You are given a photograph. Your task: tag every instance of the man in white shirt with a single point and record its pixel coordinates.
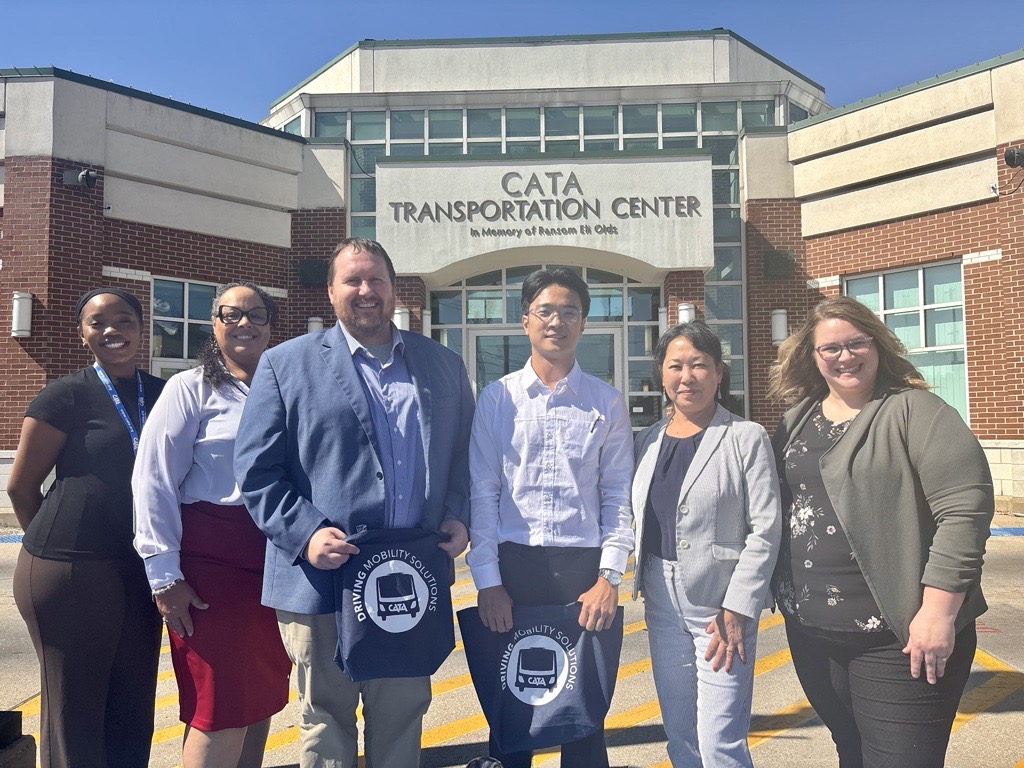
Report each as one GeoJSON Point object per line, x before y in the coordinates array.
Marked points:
{"type": "Point", "coordinates": [551, 464]}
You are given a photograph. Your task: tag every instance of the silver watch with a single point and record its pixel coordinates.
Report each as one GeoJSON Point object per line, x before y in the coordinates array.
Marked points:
{"type": "Point", "coordinates": [614, 577]}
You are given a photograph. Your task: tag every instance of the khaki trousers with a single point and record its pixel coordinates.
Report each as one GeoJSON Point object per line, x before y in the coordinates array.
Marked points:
{"type": "Point", "coordinates": [393, 709]}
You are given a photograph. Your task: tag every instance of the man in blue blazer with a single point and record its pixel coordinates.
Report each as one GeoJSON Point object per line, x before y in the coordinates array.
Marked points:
{"type": "Point", "coordinates": [357, 426]}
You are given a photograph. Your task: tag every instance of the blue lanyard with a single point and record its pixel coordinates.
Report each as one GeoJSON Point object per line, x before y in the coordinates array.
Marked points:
{"type": "Point", "coordinates": [120, 406]}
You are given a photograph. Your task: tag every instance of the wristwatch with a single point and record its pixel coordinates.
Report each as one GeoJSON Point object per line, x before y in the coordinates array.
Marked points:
{"type": "Point", "coordinates": [614, 577]}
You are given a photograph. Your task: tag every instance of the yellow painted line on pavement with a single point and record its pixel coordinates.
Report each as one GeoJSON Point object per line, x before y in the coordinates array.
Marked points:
{"type": "Point", "coordinates": [1005, 682]}
{"type": "Point", "coordinates": [764, 727]}
{"type": "Point", "coordinates": [772, 661]}
{"type": "Point", "coordinates": [772, 620]}
{"type": "Point", "coordinates": [453, 730]}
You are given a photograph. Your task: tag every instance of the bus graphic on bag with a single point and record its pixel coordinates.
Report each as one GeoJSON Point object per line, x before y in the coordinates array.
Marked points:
{"type": "Point", "coordinates": [396, 596]}
{"type": "Point", "coordinates": [536, 668]}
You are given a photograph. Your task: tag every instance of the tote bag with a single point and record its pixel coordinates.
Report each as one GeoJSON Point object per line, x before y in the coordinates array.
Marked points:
{"type": "Point", "coordinates": [393, 605]}
{"type": "Point", "coordinates": [546, 682]}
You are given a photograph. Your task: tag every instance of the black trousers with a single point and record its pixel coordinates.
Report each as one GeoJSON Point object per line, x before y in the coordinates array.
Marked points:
{"type": "Point", "coordinates": [861, 688]}
{"type": "Point", "coordinates": [551, 576]}
{"type": "Point", "coordinates": [97, 635]}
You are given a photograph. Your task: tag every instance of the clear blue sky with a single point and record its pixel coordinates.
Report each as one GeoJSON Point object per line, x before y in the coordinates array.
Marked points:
{"type": "Point", "coordinates": [237, 56]}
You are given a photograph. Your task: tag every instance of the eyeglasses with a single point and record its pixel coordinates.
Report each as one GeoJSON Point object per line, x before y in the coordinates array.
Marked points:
{"type": "Point", "coordinates": [233, 315]}
{"type": "Point", "coordinates": [567, 315]}
{"type": "Point", "coordinates": [855, 347]}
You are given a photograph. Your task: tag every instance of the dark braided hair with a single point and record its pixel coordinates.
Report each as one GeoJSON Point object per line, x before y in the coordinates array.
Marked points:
{"type": "Point", "coordinates": [210, 358]}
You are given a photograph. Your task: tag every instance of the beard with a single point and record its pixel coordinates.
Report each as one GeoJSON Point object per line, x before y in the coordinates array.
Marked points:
{"type": "Point", "coordinates": [364, 324]}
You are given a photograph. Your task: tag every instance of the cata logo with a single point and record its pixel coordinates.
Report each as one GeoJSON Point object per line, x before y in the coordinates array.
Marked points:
{"type": "Point", "coordinates": [538, 664]}
{"type": "Point", "coordinates": [394, 589]}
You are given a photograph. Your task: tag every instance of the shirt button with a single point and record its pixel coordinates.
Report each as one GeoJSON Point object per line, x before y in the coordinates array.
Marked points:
{"type": "Point", "coordinates": [395, 430]}
{"type": "Point", "coordinates": [380, 475]}
{"type": "Point", "coordinates": [684, 544]}
{"type": "Point", "coordinates": [399, 462]}
{"type": "Point", "coordinates": [683, 509]}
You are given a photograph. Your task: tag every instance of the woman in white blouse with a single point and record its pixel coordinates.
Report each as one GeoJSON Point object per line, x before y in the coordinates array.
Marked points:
{"type": "Point", "coordinates": [203, 553]}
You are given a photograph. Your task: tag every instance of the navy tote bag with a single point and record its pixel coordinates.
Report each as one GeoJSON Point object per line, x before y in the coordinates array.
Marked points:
{"type": "Point", "coordinates": [393, 605]}
{"type": "Point", "coordinates": [546, 682]}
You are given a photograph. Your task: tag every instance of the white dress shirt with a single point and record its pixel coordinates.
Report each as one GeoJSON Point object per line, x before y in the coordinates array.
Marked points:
{"type": "Point", "coordinates": [186, 454]}
{"type": "Point", "coordinates": [549, 468]}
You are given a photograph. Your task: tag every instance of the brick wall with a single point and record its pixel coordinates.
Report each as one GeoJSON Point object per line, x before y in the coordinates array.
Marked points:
{"type": "Point", "coordinates": [683, 286]}
{"type": "Point", "coordinates": [411, 292]}
{"type": "Point", "coordinates": [315, 233]}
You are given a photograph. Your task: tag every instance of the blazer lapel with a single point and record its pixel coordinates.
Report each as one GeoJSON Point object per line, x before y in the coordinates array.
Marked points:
{"type": "Point", "coordinates": [644, 475]}
{"type": "Point", "coordinates": [338, 358]}
{"type": "Point", "coordinates": [712, 437]}
{"type": "Point", "coordinates": [419, 372]}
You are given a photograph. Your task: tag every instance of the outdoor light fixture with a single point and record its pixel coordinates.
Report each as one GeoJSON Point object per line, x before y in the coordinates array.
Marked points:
{"type": "Point", "coordinates": [314, 324]}
{"type": "Point", "coordinates": [687, 312]}
{"type": "Point", "coordinates": [21, 314]}
{"type": "Point", "coordinates": [401, 318]}
{"type": "Point", "coordinates": [780, 326]}
{"type": "Point", "coordinates": [1014, 157]}
{"type": "Point", "coordinates": [84, 179]}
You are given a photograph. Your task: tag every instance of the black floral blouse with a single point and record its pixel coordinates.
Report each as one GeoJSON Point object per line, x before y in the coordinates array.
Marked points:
{"type": "Point", "coordinates": [820, 583]}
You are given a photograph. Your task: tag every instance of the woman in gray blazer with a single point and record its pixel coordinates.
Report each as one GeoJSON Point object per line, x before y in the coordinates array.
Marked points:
{"type": "Point", "coordinates": [887, 500]}
{"type": "Point", "coordinates": [708, 524]}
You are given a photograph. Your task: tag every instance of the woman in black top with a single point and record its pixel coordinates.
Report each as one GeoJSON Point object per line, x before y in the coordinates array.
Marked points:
{"type": "Point", "coordinates": [78, 584]}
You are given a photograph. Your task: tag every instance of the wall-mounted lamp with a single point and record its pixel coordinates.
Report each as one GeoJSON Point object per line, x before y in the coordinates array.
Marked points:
{"type": "Point", "coordinates": [314, 324]}
{"type": "Point", "coordinates": [687, 312]}
{"type": "Point", "coordinates": [1014, 157]}
{"type": "Point", "coordinates": [780, 326]}
{"type": "Point", "coordinates": [401, 318]}
{"type": "Point", "coordinates": [21, 314]}
{"type": "Point", "coordinates": [85, 179]}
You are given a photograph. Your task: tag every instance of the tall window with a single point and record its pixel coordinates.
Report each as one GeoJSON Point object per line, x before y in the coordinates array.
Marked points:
{"type": "Point", "coordinates": [924, 307]}
{"type": "Point", "coordinates": [181, 323]}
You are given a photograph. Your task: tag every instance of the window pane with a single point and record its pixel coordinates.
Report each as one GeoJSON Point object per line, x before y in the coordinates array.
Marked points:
{"type": "Point", "coordinates": [678, 118]}
{"type": "Point", "coordinates": [644, 410]}
{"type": "Point", "coordinates": [735, 403]}
{"type": "Point", "coordinates": [640, 145]}
{"type": "Point", "coordinates": [167, 339]}
{"type": "Point", "coordinates": [727, 225]}
{"type": "Point", "coordinates": [641, 340]}
{"type": "Point", "coordinates": [640, 118]}
{"type": "Point", "coordinates": [943, 327]}
{"type": "Point", "coordinates": [446, 123]}
{"type": "Point", "coordinates": [945, 371]}
{"type": "Point", "coordinates": [718, 116]}
{"type": "Point", "coordinates": [168, 298]}
{"type": "Point", "coordinates": [907, 327]}
{"type": "Point", "coordinates": [723, 150]}
{"type": "Point", "coordinates": [364, 157]}
{"type": "Point", "coordinates": [513, 305]}
{"type": "Point", "coordinates": [605, 305]}
{"type": "Point", "coordinates": [644, 304]}
{"type": "Point", "coordinates": [364, 226]}
{"type": "Point", "coordinates": [522, 121]}
{"type": "Point", "coordinates": [487, 278]}
{"type": "Point", "coordinates": [560, 121]}
{"type": "Point", "coordinates": [450, 337]}
{"type": "Point", "coordinates": [294, 126]}
{"type": "Point", "coordinates": [483, 123]}
{"type": "Point", "coordinates": [445, 149]}
{"type": "Point", "coordinates": [600, 276]}
{"type": "Point", "coordinates": [484, 148]}
{"type": "Point", "coordinates": [407, 124]}
{"type": "Point", "coordinates": [561, 148]}
{"type": "Point", "coordinates": [600, 145]}
{"type": "Point", "coordinates": [641, 376]}
{"type": "Point", "coordinates": [364, 195]}
{"type": "Point", "coordinates": [484, 307]}
{"type": "Point", "coordinates": [725, 187]}
{"type": "Point", "coordinates": [865, 290]}
{"type": "Point", "coordinates": [942, 284]}
{"type": "Point", "coordinates": [200, 301]}
{"type": "Point", "coordinates": [523, 147]}
{"type": "Point", "coordinates": [734, 372]}
{"type": "Point", "coordinates": [901, 290]}
{"type": "Point", "coordinates": [516, 275]}
{"type": "Point", "coordinates": [406, 150]}
{"type": "Point", "coordinates": [796, 113]}
{"type": "Point", "coordinates": [367, 126]}
{"type": "Point", "coordinates": [446, 307]}
{"type": "Point", "coordinates": [727, 265]}
{"type": "Point", "coordinates": [758, 113]}
{"type": "Point", "coordinates": [332, 124]}
{"type": "Point", "coordinates": [723, 302]}
{"type": "Point", "coordinates": [600, 120]}
{"type": "Point", "coordinates": [198, 333]}
{"type": "Point", "coordinates": [731, 336]}
{"type": "Point", "coordinates": [679, 142]}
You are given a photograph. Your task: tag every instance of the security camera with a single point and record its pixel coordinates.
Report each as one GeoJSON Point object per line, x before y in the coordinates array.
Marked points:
{"type": "Point", "coordinates": [1014, 157]}
{"type": "Point", "coordinates": [85, 179]}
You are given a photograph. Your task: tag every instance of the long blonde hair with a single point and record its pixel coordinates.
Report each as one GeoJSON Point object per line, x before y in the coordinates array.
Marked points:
{"type": "Point", "coordinates": [795, 375]}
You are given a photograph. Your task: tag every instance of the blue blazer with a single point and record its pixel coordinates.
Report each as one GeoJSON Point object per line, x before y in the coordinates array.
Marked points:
{"type": "Point", "coordinates": [306, 455]}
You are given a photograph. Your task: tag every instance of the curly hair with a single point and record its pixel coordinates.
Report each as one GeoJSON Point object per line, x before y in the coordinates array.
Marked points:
{"type": "Point", "coordinates": [210, 358]}
{"type": "Point", "coordinates": [795, 375]}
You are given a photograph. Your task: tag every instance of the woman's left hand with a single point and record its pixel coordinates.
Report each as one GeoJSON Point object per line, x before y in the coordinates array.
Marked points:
{"type": "Point", "coordinates": [932, 633]}
{"type": "Point", "coordinates": [726, 631]}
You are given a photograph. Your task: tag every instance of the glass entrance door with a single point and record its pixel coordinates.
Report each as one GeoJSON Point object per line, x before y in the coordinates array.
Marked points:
{"type": "Point", "coordinates": [492, 353]}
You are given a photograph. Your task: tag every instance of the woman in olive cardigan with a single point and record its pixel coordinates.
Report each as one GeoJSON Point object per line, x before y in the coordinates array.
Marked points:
{"type": "Point", "coordinates": [887, 501]}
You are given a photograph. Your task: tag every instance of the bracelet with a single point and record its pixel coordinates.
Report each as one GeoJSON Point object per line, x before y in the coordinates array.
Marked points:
{"type": "Point", "coordinates": [166, 588]}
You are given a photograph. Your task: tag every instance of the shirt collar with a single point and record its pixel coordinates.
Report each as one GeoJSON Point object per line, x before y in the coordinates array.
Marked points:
{"type": "Point", "coordinates": [397, 344]}
{"type": "Point", "coordinates": [572, 379]}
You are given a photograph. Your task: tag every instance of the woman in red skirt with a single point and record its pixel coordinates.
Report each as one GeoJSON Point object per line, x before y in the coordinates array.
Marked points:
{"type": "Point", "coordinates": [203, 553]}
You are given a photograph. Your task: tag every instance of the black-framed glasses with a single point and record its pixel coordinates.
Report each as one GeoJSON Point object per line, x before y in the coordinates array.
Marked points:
{"type": "Point", "coordinates": [233, 315]}
{"type": "Point", "coordinates": [855, 347]}
{"type": "Point", "coordinates": [568, 315]}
